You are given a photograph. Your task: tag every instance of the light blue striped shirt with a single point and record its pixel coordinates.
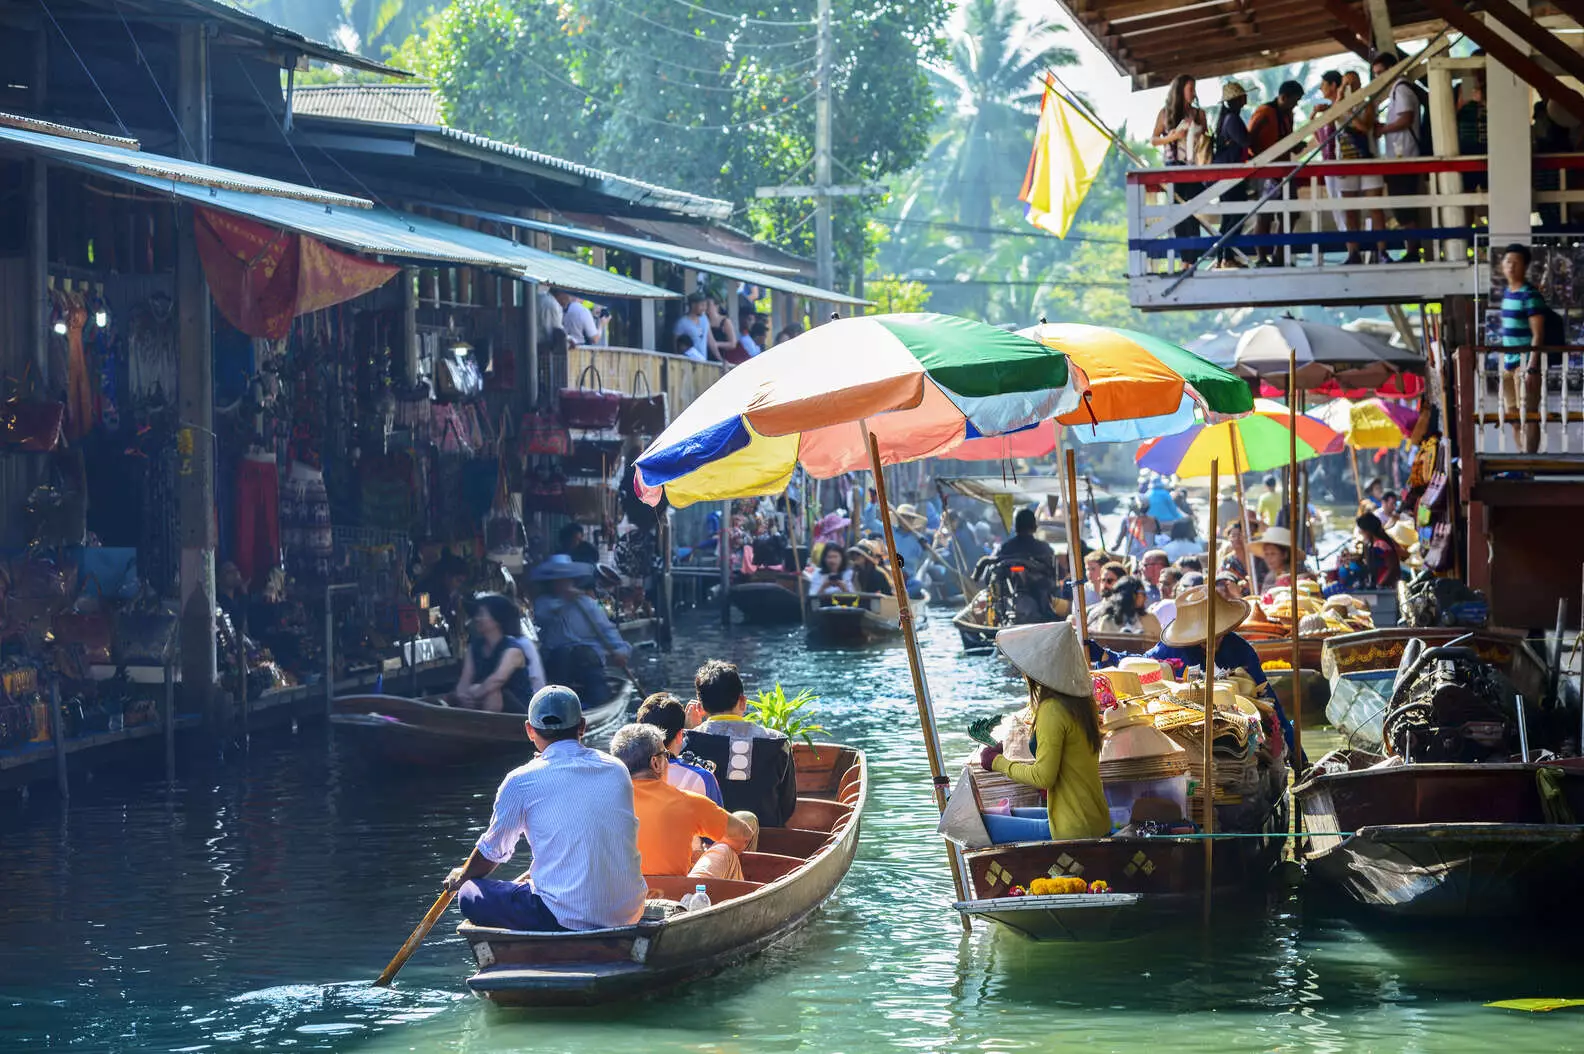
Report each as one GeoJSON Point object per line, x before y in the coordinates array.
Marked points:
{"type": "Point", "coordinates": [574, 807]}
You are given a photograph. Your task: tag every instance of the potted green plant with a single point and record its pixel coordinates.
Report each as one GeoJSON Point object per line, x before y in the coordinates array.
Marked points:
{"type": "Point", "coordinates": [774, 710]}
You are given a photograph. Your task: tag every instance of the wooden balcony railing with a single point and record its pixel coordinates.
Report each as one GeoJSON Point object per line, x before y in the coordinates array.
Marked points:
{"type": "Point", "coordinates": [683, 380]}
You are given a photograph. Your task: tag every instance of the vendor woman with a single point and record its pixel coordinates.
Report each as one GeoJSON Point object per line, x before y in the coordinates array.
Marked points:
{"type": "Point", "coordinates": [1066, 740]}
{"type": "Point", "coordinates": [501, 670]}
{"type": "Point", "coordinates": [1182, 643]}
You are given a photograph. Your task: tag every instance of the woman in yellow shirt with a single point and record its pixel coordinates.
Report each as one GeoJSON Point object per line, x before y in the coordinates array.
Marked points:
{"type": "Point", "coordinates": [1066, 742]}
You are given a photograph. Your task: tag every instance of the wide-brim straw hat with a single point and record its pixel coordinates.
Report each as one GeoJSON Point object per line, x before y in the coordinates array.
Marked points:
{"type": "Point", "coordinates": [1231, 89]}
{"type": "Point", "coordinates": [909, 517]}
{"type": "Point", "coordinates": [1193, 607]}
{"type": "Point", "coordinates": [1154, 676]}
{"type": "Point", "coordinates": [1125, 684]}
{"type": "Point", "coordinates": [561, 566]}
{"type": "Point", "coordinates": [1275, 536]}
{"type": "Point", "coordinates": [1048, 653]}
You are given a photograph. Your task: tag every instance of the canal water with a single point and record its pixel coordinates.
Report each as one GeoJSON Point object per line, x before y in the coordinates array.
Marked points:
{"type": "Point", "coordinates": [246, 908]}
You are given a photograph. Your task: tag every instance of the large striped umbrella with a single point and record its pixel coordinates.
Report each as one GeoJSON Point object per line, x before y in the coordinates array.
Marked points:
{"type": "Point", "coordinates": [922, 382]}
{"type": "Point", "coordinates": [1321, 353]}
{"type": "Point", "coordinates": [1139, 387]}
{"type": "Point", "coordinates": [1250, 444]}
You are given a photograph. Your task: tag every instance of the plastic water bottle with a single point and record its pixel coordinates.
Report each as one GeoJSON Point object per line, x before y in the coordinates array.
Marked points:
{"type": "Point", "coordinates": [697, 900]}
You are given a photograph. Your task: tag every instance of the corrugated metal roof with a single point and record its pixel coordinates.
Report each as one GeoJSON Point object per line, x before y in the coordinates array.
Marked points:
{"type": "Point", "coordinates": [385, 232]}
{"type": "Point", "coordinates": [243, 21]}
{"type": "Point", "coordinates": [407, 104]}
{"type": "Point", "coordinates": [66, 131]}
{"type": "Point", "coordinates": [725, 266]}
{"type": "Point", "coordinates": [169, 169]}
{"type": "Point", "coordinates": [655, 250]}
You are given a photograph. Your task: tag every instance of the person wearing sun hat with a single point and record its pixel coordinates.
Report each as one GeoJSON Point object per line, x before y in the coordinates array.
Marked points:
{"type": "Point", "coordinates": [1232, 148]}
{"type": "Point", "coordinates": [1067, 736]}
{"type": "Point", "coordinates": [576, 637]}
{"type": "Point", "coordinates": [1182, 643]}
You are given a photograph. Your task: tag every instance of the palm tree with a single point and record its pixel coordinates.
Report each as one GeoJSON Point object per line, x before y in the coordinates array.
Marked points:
{"type": "Point", "coordinates": [988, 91]}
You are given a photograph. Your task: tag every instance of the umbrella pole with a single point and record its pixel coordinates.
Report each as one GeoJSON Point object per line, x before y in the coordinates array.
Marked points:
{"type": "Point", "coordinates": [792, 541]}
{"type": "Point", "coordinates": [1208, 764]}
{"type": "Point", "coordinates": [1242, 500]}
{"type": "Point", "coordinates": [1075, 560]}
{"type": "Point", "coordinates": [921, 694]}
{"type": "Point", "coordinates": [1358, 487]}
{"type": "Point", "coordinates": [1296, 553]}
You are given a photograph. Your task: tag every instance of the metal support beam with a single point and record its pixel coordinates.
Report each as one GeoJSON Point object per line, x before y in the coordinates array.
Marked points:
{"type": "Point", "coordinates": [195, 440]}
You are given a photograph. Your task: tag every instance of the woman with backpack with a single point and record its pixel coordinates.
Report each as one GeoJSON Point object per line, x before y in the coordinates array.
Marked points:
{"type": "Point", "coordinates": [1231, 148]}
{"type": "Point", "coordinates": [1182, 134]}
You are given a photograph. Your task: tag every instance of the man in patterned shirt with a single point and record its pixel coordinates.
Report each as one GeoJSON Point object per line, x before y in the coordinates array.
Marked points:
{"type": "Point", "coordinates": [1522, 332]}
{"type": "Point", "coordinates": [574, 807]}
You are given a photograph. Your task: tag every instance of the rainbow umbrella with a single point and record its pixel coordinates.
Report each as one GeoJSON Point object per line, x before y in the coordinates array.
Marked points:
{"type": "Point", "coordinates": [923, 383]}
{"type": "Point", "coordinates": [1139, 387]}
{"type": "Point", "coordinates": [1369, 424]}
{"type": "Point", "coordinates": [1250, 444]}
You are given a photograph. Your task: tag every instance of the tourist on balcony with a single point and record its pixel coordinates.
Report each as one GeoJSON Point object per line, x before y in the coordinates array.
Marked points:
{"type": "Point", "coordinates": [722, 328]}
{"type": "Point", "coordinates": [578, 321]}
{"type": "Point", "coordinates": [552, 332]}
{"type": "Point", "coordinates": [1231, 148]}
{"type": "Point", "coordinates": [1363, 129]}
{"type": "Point", "coordinates": [1522, 333]}
{"type": "Point", "coordinates": [1272, 122]}
{"type": "Point", "coordinates": [1182, 133]}
{"type": "Point", "coordinates": [1402, 137]}
{"type": "Point", "coordinates": [695, 327]}
{"type": "Point", "coordinates": [1547, 136]}
{"type": "Point", "coordinates": [1345, 141]}
{"type": "Point", "coordinates": [1471, 125]}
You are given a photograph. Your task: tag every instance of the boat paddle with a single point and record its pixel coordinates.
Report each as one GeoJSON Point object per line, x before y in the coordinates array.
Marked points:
{"type": "Point", "coordinates": [418, 934]}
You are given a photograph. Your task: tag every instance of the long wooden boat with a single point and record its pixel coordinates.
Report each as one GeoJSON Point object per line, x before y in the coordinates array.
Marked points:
{"type": "Point", "coordinates": [858, 618]}
{"type": "Point", "coordinates": [794, 871]}
{"type": "Point", "coordinates": [1362, 668]}
{"type": "Point", "coordinates": [427, 732]}
{"type": "Point", "coordinates": [1267, 648]}
{"type": "Point", "coordinates": [976, 636]}
{"type": "Point", "coordinates": [1458, 841]}
{"type": "Point", "coordinates": [1153, 881]}
{"type": "Point", "coordinates": [769, 597]}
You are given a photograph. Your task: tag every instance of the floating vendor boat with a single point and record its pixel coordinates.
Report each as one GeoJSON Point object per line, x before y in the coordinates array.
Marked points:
{"type": "Point", "coordinates": [1455, 821]}
{"type": "Point", "coordinates": [859, 618]}
{"type": "Point", "coordinates": [1361, 669]}
{"type": "Point", "coordinates": [769, 597]}
{"type": "Point", "coordinates": [427, 732]}
{"type": "Point", "coordinates": [795, 870]}
{"type": "Point", "coordinates": [1151, 870]}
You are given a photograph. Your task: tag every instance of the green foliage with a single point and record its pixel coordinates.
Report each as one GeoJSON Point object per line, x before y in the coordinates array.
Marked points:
{"type": "Point", "coordinates": [775, 711]}
{"type": "Point", "coordinates": [893, 295]}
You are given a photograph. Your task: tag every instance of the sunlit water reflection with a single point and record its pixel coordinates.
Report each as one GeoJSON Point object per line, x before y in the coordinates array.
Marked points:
{"type": "Point", "coordinates": [247, 910]}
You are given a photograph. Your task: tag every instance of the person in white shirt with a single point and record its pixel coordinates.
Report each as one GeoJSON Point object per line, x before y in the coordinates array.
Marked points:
{"type": "Point", "coordinates": [696, 329]}
{"type": "Point", "coordinates": [579, 322]}
{"type": "Point", "coordinates": [574, 807]}
{"type": "Point", "coordinates": [551, 323]}
{"type": "Point", "coordinates": [1402, 137]}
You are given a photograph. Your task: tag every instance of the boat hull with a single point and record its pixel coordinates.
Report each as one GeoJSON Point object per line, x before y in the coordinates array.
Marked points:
{"type": "Point", "coordinates": [572, 969]}
{"type": "Point", "coordinates": [976, 636]}
{"type": "Point", "coordinates": [424, 733]}
{"type": "Point", "coordinates": [768, 603]}
{"type": "Point", "coordinates": [1446, 841]}
{"type": "Point", "coordinates": [859, 618]}
{"type": "Point", "coordinates": [1152, 881]}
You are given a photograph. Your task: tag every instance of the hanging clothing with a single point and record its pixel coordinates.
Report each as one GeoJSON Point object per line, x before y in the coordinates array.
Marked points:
{"type": "Point", "coordinates": [258, 533]}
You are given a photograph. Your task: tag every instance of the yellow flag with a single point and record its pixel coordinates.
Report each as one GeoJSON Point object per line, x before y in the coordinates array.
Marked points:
{"type": "Point", "coordinates": [1068, 152]}
{"type": "Point", "coordinates": [1004, 505]}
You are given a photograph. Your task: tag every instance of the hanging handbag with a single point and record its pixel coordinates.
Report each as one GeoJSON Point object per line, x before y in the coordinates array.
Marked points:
{"type": "Point", "coordinates": [108, 571]}
{"type": "Point", "coordinates": [89, 631]}
{"type": "Point", "coordinates": [1441, 554]}
{"type": "Point", "coordinates": [458, 377]}
{"type": "Point", "coordinates": [590, 460]}
{"type": "Point", "coordinates": [544, 434]}
{"type": "Point", "coordinates": [641, 415]}
{"type": "Point", "coordinates": [144, 637]}
{"type": "Point", "coordinates": [29, 425]}
{"type": "Point", "coordinates": [589, 406]}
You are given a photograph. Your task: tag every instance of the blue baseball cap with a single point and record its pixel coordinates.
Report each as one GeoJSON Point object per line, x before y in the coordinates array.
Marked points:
{"type": "Point", "coordinates": [555, 708]}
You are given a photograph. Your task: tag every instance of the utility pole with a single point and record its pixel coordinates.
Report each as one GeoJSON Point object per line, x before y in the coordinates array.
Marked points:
{"type": "Point", "coordinates": [823, 190]}
{"type": "Point", "coordinates": [824, 250]}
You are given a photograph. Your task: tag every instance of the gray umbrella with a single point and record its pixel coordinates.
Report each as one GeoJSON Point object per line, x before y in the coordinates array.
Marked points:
{"type": "Point", "coordinates": [1324, 352]}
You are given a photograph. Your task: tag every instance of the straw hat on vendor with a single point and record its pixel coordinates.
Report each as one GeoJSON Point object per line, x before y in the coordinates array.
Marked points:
{"type": "Point", "coordinates": [1067, 735]}
{"type": "Point", "coordinates": [909, 518]}
{"type": "Point", "coordinates": [1193, 609]}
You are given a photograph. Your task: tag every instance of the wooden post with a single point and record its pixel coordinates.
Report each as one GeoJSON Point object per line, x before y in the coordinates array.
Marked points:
{"type": "Point", "coordinates": [921, 696]}
{"type": "Point", "coordinates": [786, 498]}
{"type": "Point", "coordinates": [1358, 486]}
{"type": "Point", "coordinates": [723, 552]}
{"type": "Point", "coordinates": [58, 733]}
{"type": "Point", "coordinates": [1208, 761]}
{"type": "Point", "coordinates": [646, 319]}
{"type": "Point", "coordinates": [1242, 500]}
{"type": "Point", "coordinates": [329, 646]}
{"type": "Point", "coordinates": [1075, 563]}
{"type": "Point", "coordinates": [195, 440]}
{"type": "Point", "coordinates": [1296, 553]}
{"type": "Point", "coordinates": [170, 719]}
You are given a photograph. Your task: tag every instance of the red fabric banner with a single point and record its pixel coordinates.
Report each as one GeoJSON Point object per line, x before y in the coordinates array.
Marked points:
{"type": "Point", "coordinates": [262, 277]}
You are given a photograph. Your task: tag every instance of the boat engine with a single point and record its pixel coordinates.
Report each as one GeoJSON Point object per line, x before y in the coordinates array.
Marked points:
{"type": "Point", "coordinates": [1021, 591]}
{"type": "Point", "coordinates": [1449, 706]}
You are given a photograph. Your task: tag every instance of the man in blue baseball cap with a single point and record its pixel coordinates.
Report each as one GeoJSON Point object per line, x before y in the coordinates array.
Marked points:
{"type": "Point", "coordinates": [574, 807]}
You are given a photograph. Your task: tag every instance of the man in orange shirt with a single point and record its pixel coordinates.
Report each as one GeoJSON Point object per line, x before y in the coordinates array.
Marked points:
{"type": "Point", "coordinates": [1270, 124]}
{"type": "Point", "coordinates": [669, 818]}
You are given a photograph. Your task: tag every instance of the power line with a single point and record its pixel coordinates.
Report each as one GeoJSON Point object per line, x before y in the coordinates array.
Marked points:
{"type": "Point", "coordinates": [1012, 232]}
{"type": "Point", "coordinates": [86, 71]}
{"type": "Point", "coordinates": [144, 62]}
{"type": "Point", "coordinates": [700, 38]}
{"type": "Point", "coordinates": [1028, 282]}
{"type": "Point", "coordinates": [701, 71]}
{"type": "Point", "coordinates": [742, 19]}
{"type": "Point", "coordinates": [587, 95]}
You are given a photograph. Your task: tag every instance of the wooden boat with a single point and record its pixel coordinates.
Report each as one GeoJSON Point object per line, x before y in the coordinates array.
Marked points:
{"type": "Point", "coordinates": [857, 618]}
{"type": "Point", "coordinates": [796, 868]}
{"type": "Point", "coordinates": [1152, 880]}
{"type": "Point", "coordinates": [1444, 840]}
{"type": "Point", "coordinates": [427, 732]}
{"type": "Point", "coordinates": [1316, 694]}
{"type": "Point", "coordinates": [1362, 668]}
{"type": "Point", "coordinates": [769, 597]}
{"type": "Point", "coordinates": [976, 636]}
{"type": "Point", "coordinates": [1280, 649]}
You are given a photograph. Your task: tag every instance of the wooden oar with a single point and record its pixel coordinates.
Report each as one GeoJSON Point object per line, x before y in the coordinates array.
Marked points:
{"type": "Point", "coordinates": [424, 926]}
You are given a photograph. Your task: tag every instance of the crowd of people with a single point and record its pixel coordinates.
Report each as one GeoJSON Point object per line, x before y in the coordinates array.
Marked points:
{"type": "Point", "coordinates": [707, 332]}
{"type": "Point", "coordinates": [1395, 124]}
{"type": "Point", "coordinates": [662, 809]}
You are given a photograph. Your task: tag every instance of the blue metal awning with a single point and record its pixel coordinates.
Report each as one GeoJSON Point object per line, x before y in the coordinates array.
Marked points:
{"type": "Point", "coordinates": [385, 232]}
{"type": "Point", "coordinates": [734, 267]}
